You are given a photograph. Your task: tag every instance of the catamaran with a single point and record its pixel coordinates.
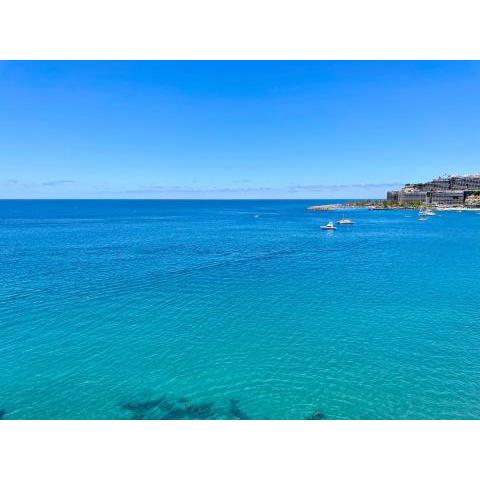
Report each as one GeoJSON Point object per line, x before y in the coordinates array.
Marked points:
{"type": "Point", "coordinates": [345, 221]}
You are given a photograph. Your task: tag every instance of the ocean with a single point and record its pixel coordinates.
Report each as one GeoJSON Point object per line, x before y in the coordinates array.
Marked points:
{"type": "Point", "coordinates": [118, 309]}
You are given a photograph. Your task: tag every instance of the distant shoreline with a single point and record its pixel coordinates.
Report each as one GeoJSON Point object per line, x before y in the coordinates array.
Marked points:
{"type": "Point", "coordinates": [378, 206]}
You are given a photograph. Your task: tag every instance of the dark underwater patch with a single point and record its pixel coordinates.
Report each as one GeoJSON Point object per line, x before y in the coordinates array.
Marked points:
{"type": "Point", "coordinates": [140, 410]}
{"type": "Point", "coordinates": [316, 415]}
{"type": "Point", "coordinates": [182, 408]}
{"type": "Point", "coordinates": [192, 411]}
{"type": "Point", "coordinates": [235, 411]}
{"type": "Point", "coordinates": [167, 407]}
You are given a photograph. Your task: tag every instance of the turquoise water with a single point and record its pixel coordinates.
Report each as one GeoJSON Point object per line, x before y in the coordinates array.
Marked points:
{"type": "Point", "coordinates": [236, 309]}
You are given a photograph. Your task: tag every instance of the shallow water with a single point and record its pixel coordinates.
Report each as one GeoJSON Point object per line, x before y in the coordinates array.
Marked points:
{"type": "Point", "coordinates": [236, 309]}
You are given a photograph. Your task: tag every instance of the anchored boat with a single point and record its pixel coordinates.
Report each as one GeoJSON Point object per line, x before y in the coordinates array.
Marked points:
{"type": "Point", "coordinates": [427, 213]}
{"type": "Point", "coordinates": [345, 221]}
{"type": "Point", "coordinates": [328, 226]}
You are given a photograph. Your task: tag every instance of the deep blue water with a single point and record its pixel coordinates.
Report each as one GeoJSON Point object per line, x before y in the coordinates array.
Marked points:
{"type": "Point", "coordinates": [236, 309]}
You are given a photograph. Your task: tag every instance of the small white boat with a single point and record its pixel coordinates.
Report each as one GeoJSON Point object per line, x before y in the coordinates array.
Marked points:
{"type": "Point", "coordinates": [328, 226]}
{"type": "Point", "coordinates": [427, 213]}
{"type": "Point", "coordinates": [422, 219]}
{"type": "Point", "coordinates": [345, 221]}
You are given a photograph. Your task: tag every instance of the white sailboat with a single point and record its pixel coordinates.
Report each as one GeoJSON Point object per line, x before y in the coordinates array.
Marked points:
{"type": "Point", "coordinates": [345, 221]}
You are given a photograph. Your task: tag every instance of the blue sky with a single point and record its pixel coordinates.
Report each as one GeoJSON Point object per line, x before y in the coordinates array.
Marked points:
{"type": "Point", "coordinates": [234, 129]}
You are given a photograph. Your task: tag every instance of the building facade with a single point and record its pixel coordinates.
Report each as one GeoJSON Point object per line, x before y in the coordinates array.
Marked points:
{"type": "Point", "coordinates": [448, 198]}
{"type": "Point", "coordinates": [465, 182]}
{"type": "Point", "coordinates": [412, 196]}
{"type": "Point", "coordinates": [453, 190]}
{"type": "Point", "coordinates": [392, 196]}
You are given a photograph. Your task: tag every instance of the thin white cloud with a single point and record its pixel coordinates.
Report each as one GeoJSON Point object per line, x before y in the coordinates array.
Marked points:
{"type": "Point", "coordinates": [55, 183]}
